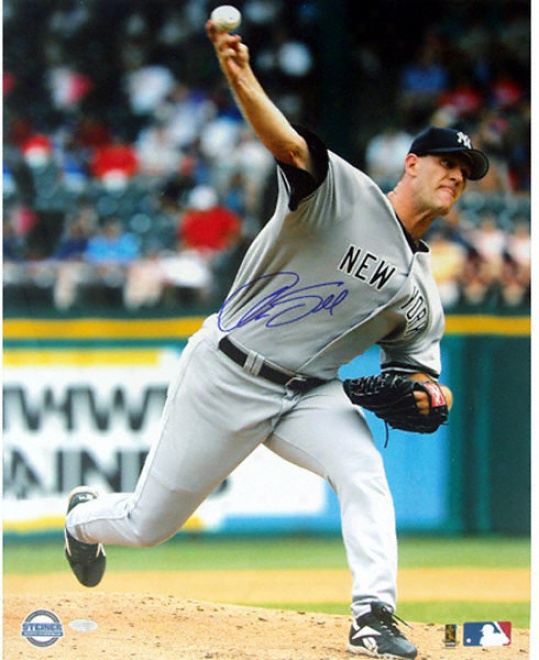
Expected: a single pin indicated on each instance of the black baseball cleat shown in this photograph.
(87, 560)
(377, 635)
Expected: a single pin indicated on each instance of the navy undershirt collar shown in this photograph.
(416, 246)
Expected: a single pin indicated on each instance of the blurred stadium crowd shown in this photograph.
(130, 180)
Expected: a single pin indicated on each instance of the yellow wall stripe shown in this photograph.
(488, 325)
(182, 328)
(43, 524)
(90, 328)
(75, 357)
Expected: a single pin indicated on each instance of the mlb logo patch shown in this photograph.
(487, 633)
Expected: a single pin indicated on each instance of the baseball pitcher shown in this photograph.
(338, 268)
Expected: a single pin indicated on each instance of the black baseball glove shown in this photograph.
(390, 396)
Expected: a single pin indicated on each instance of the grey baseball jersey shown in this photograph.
(325, 280)
(331, 273)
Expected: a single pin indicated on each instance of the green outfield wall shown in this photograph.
(491, 430)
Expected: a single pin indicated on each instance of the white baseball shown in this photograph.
(226, 18)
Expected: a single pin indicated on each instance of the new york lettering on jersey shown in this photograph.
(366, 266)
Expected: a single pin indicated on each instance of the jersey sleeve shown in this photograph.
(425, 360)
(421, 354)
(302, 183)
(414, 344)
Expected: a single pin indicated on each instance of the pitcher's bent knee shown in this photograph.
(150, 533)
(153, 530)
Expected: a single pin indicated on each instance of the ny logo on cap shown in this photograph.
(464, 139)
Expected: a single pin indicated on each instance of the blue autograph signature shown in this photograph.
(287, 304)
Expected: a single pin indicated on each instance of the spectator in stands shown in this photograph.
(37, 151)
(425, 77)
(111, 245)
(13, 254)
(294, 60)
(516, 271)
(157, 155)
(448, 261)
(477, 283)
(288, 66)
(91, 132)
(206, 226)
(506, 92)
(13, 245)
(74, 242)
(114, 164)
(48, 203)
(489, 241)
(147, 86)
(490, 136)
(514, 284)
(244, 178)
(519, 148)
(518, 243)
(18, 183)
(145, 286)
(463, 99)
(67, 87)
(72, 271)
(220, 136)
(186, 278)
(68, 19)
(385, 155)
(111, 252)
(186, 112)
(208, 233)
(235, 195)
(173, 34)
(261, 17)
(472, 41)
(175, 189)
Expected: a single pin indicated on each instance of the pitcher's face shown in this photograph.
(440, 181)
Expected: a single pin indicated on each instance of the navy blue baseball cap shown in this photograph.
(447, 140)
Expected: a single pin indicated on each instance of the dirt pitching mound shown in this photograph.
(147, 627)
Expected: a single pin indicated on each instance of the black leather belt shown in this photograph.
(294, 382)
